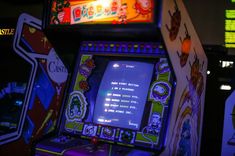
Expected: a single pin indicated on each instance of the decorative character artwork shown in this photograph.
(185, 136)
(89, 130)
(86, 68)
(143, 7)
(84, 85)
(49, 82)
(196, 82)
(90, 12)
(185, 48)
(108, 133)
(154, 126)
(228, 140)
(161, 88)
(122, 14)
(114, 7)
(160, 92)
(102, 12)
(190, 70)
(127, 136)
(60, 12)
(175, 23)
(162, 67)
(77, 106)
(190, 102)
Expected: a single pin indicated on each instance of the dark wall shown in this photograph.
(13, 8)
(208, 19)
(211, 141)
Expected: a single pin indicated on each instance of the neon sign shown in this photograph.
(229, 28)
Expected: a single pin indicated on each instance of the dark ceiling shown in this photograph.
(13, 8)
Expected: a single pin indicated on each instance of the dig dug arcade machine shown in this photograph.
(138, 83)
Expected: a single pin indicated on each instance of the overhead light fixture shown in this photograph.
(208, 72)
(226, 64)
(225, 87)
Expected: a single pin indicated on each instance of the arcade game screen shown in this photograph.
(123, 92)
(13, 84)
(11, 102)
(121, 99)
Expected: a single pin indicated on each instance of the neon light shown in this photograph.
(227, 64)
(230, 28)
(230, 37)
(230, 25)
(230, 45)
(225, 87)
(230, 13)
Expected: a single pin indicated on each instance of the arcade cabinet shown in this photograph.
(228, 141)
(32, 83)
(12, 83)
(138, 83)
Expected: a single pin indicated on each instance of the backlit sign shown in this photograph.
(229, 35)
(69, 12)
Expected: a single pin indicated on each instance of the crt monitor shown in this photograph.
(123, 93)
(120, 98)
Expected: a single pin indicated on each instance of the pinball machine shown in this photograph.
(137, 86)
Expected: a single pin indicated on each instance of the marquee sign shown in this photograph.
(101, 12)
